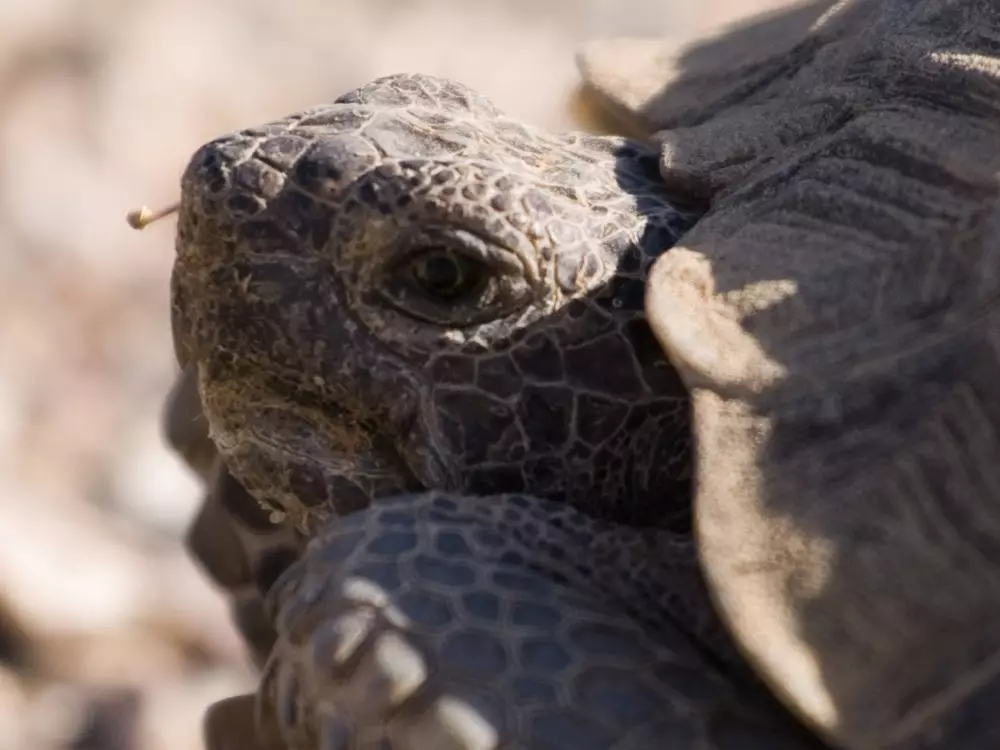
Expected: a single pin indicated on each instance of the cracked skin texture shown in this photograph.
(419, 337)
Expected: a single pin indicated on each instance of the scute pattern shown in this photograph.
(836, 318)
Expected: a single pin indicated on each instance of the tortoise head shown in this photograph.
(406, 290)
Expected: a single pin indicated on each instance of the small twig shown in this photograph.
(143, 217)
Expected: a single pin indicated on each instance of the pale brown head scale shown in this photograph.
(405, 289)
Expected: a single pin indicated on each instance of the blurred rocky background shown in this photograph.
(110, 638)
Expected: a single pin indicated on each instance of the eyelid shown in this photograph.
(461, 242)
(500, 265)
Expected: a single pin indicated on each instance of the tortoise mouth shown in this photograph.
(304, 457)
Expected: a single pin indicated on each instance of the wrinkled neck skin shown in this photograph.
(406, 290)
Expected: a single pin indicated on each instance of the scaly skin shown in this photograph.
(232, 537)
(419, 336)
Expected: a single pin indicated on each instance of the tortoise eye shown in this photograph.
(445, 274)
(452, 277)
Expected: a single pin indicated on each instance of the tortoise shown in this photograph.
(544, 476)
(231, 537)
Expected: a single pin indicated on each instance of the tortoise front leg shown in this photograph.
(437, 622)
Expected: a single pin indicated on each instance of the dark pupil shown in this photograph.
(440, 274)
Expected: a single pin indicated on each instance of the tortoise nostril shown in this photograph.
(212, 169)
